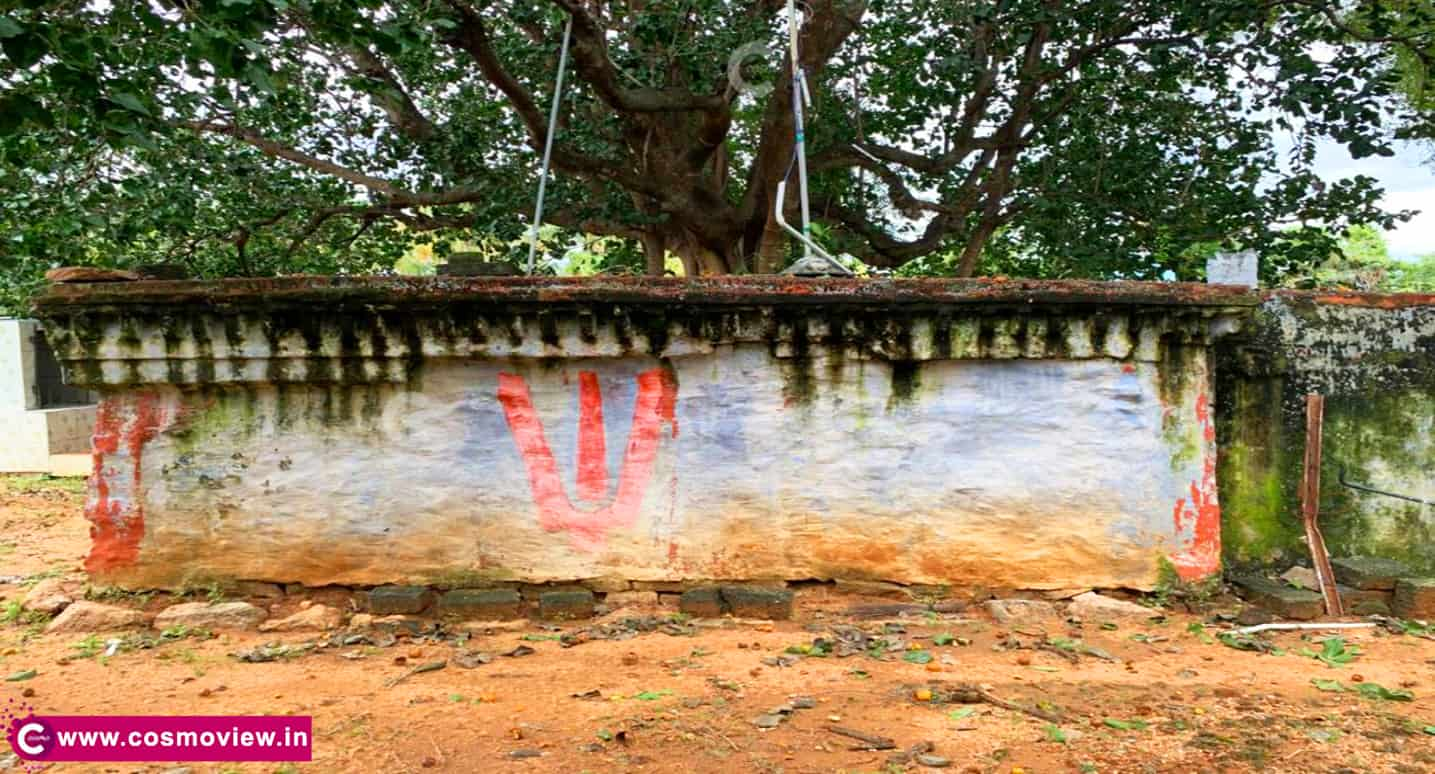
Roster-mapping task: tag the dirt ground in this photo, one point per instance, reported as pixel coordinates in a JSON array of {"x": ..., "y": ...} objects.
[{"x": 667, "y": 694}]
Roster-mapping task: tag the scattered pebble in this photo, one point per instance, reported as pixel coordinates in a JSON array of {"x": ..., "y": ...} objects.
[{"x": 767, "y": 721}]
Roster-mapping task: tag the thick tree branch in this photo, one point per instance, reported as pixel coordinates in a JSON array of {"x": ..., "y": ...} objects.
[
  {"x": 471, "y": 36},
  {"x": 393, "y": 99},
  {"x": 590, "y": 58},
  {"x": 278, "y": 150}
]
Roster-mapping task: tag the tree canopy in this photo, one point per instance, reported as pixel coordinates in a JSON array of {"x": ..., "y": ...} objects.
[{"x": 1103, "y": 138}]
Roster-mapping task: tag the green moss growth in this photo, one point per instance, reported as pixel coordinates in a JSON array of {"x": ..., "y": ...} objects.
[
  {"x": 1171, "y": 588},
  {"x": 445, "y": 580}
]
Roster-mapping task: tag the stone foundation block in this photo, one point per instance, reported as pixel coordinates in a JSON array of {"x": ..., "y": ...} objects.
[
  {"x": 702, "y": 602},
  {"x": 400, "y": 600},
  {"x": 481, "y": 604},
  {"x": 1368, "y": 572},
  {"x": 1280, "y": 599},
  {"x": 1364, "y": 601},
  {"x": 1414, "y": 598},
  {"x": 564, "y": 605},
  {"x": 758, "y": 602}
]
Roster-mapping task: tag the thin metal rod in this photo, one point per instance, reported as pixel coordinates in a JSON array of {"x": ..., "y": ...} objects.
[
  {"x": 1373, "y": 490},
  {"x": 548, "y": 145}
]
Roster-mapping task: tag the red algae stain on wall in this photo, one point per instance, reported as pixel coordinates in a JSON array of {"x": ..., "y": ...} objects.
[
  {"x": 588, "y": 530},
  {"x": 1200, "y": 515},
  {"x": 123, "y": 425}
]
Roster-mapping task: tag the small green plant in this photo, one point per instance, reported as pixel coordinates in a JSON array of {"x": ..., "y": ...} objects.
[
  {"x": 31, "y": 580},
  {"x": 212, "y": 591},
  {"x": 1170, "y": 587},
  {"x": 11, "y": 611},
  {"x": 1125, "y": 725},
  {"x": 917, "y": 657},
  {"x": 1199, "y": 630},
  {"x": 117, "y": 594},
  {"x": 1368, "y": 690},
  {"x": 89, "y": 647},
  {"x": 1055, "y": 734},
  {"x": 1334, "y": 653},
  {"x": 182, "y": 631}
]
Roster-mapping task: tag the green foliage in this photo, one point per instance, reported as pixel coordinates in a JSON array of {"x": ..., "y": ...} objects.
[
  {"x": 1361, "y": 261},
  {"x": 1368, "y": 690},
  {"x": 263, "y": 137},
  {"x": 89, "y": 647},
  {"x": 1417, "y": 276},
  {"x": 1333, "y": 653},
  {"x": 917, "y": 657},
  {"x": 35, "y": 484}
]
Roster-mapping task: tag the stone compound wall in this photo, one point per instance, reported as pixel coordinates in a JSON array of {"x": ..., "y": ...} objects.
[
  {"x": 461, "y": 432},
  {"x": 1373, "y": 357}
]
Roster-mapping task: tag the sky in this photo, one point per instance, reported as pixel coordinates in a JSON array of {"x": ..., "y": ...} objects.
[{"x": 1408, "y": 178}]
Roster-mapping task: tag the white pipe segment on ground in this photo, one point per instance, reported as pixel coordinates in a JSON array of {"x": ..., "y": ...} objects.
[{"x": 1273, "y": 627}]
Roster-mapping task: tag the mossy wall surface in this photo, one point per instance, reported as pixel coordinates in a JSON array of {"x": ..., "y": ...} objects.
[
  {"x": 369, "y": 431},
  {"x": 1373, "y": 358}
]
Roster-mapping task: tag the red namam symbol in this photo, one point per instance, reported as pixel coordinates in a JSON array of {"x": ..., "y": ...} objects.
[{"x": 654, "y": 407}]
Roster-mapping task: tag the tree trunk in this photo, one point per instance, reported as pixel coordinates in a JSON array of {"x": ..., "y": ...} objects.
[{"x": 655, "y": 250}]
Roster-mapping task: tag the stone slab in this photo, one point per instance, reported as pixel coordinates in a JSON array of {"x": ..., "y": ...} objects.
[
  {"x": 1368, "y": 572},
  {"x": 1414, "y": 598},
  {"x": 566, "y": 605},
  {"x": 400, "y": 600},
  {"x": 481, "y": 604},
  {"x": 1280, "y": 599}
]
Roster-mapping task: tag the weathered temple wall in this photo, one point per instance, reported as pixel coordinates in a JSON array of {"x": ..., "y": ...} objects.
[
  {"x": 1373, "y": 358},
  {"x": 1044, "y": 436}
]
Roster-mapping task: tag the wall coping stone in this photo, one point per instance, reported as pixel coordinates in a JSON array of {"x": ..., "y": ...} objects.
[{"x": 365, "y": 330}]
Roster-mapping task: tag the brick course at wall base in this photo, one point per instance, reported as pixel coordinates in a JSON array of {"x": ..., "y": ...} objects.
[{"x": 474, "y": 432}]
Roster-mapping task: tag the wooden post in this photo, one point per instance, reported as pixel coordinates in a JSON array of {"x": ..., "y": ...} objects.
[{"x": 1310, "y": 505}]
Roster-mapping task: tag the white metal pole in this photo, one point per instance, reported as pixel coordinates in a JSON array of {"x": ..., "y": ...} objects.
[
  {"x": 799, "y": 91},
  {"x": 548, "y": 146}
]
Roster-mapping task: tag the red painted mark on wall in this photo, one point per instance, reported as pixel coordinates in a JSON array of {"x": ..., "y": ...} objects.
[
  {"x": 654, "y": 407},
  {"x": 123, "y": 425},
  {"x": 1201, "y": 515},
  {"x": 592, "y": 445}
]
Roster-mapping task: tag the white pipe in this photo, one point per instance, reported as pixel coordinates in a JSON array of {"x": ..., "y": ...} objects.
[
  {"x": 1269, "y": 627},
  {"x": 801, "y": 237},
  {"x": 548, "y": 145}
]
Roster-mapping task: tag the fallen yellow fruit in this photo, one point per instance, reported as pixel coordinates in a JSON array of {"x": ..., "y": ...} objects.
[{"x": 923, "y": 694}]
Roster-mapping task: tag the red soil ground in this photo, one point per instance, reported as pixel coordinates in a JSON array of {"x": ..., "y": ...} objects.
[{"x": 1173, "y": 699}]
